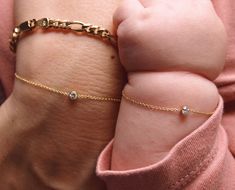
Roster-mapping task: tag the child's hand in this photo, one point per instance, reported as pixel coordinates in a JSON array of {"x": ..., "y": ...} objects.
[{"x": 163, "y": 35}]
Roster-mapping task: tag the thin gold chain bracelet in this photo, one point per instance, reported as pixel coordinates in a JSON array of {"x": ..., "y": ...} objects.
[
  {"x": 45, "y": 23},
  {"x": 72, "y": 95},
  {"x": 184, "y": 110}
]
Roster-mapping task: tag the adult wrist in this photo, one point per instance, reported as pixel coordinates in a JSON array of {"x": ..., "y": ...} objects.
[{"x": 90, "y": 67}]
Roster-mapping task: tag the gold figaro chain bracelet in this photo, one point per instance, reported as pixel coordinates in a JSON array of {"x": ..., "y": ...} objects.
[
  {"x": 45, "y": 23},
  {"x": 184, "y": 110},
  {"x": 72, "y": 95}
]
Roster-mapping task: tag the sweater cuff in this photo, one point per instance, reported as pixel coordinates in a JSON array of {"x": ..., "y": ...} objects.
[{"x": 182, "y": 165}]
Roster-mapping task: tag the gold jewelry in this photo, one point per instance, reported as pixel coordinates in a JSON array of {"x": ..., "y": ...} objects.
[
  {"x": 184, "y": 110},
  {"x": 72, "y": 95},
  {"x": 45, "y": 23}
]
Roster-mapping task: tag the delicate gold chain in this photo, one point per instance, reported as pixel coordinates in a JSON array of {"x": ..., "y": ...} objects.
[
  {"x": 99, "y": 98},
  {"x": 46, "y": 23},
  {"x": 185, "y": 110},
  {"x": 72, "y": 95}
]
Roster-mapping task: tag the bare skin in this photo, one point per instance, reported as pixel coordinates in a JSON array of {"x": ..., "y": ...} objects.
[
  {"x": 62, "y": 154},
  {"x": 170, "y": 49},
  {"x": 171, "y": 36},
  {"x": 58, "y": 147}
]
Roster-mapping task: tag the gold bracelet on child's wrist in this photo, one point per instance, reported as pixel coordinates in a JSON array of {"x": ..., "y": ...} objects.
[{"x": 184, "y": 110}]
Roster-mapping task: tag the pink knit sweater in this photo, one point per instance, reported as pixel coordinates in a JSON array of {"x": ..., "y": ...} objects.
[
  {"x": 205, "y": 158},
  {"x": 202, "y": 160}
]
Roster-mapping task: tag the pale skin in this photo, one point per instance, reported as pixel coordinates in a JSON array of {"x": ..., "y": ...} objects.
[
  {"x": 61, "y": 140},
  {"x": 74, "y": 134},
  {"x": 171, "y": 51}
]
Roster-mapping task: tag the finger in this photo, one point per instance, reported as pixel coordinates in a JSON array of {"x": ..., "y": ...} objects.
[{"x": 127, "y": 9}]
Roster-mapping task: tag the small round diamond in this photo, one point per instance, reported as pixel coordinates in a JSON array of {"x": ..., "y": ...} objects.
[
  {"x": 185, "y": 110},
  {"x": 73, "y": 95}
]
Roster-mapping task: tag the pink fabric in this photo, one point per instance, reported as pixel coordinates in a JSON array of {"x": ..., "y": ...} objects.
[
  {"x": 205, "y": 158},
  {"x": 6, "y": 57},
  {"x": 226, "y": 81},
  {"x": 200, "y": 161}
]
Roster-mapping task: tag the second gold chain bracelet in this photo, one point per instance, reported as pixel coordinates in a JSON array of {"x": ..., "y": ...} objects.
[{"x": 74, "y": 95}]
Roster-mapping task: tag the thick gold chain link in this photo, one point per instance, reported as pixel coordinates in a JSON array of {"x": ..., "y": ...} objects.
[{"x": 46, "y": 23}]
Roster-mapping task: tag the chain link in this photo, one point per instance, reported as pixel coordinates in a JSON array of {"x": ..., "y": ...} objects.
[
  {"x": 98, "y": 98},
  {"x": 46, "y": 23},
  {"x": 64, "y": 93},
  {"x": 159, "y": 108}
]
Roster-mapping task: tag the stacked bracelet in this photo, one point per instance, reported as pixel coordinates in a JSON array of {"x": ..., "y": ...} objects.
[
  {"x": 74, "y": 26},
  {"x": 78, "y": 26},
  {"x": 45, "y": 23}
]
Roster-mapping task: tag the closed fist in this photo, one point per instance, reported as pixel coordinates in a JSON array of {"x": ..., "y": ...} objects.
[{"x": 166, "y": 35}]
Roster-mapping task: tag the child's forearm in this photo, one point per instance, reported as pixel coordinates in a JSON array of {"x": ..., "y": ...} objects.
[{"x": 143, "y": 136}]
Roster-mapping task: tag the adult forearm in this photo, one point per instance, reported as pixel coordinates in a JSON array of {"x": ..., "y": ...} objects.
[{"x": 68, "y": 136}]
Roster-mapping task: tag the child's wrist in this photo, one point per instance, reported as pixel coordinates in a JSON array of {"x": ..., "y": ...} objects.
[
  {"x": 151, "y": 134},
  {"x": 173, "y": 89}
]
